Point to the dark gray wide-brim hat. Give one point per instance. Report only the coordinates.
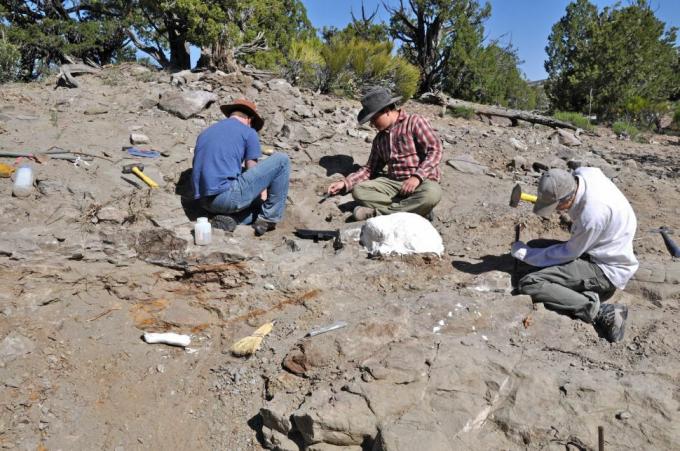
(374, 101)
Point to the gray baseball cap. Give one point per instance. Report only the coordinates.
(554, 186)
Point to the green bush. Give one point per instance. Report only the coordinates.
(461, 111)
(575, 119)
(406, 78)
(643, 112)
(347, 67)
(305, 63)
(676, 117)
(624, 128)
(9, 60)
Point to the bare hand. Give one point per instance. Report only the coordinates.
(409, 186)
(336, 187)
(263, 195)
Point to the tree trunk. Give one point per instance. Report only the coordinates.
(179, 52)
(487, 110)
(205, 61)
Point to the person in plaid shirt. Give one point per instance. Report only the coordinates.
(412, 152)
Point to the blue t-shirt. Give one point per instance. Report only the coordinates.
(220, 152)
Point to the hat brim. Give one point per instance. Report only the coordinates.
(257, 121)
(545, 209)
(366, 115)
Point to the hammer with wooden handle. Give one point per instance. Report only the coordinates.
(137, 169)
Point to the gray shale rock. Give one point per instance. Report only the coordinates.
(339, 419)
(112, 214)
(275, 440)
(567, 138)
(274, 415)
(186, 104)
(138, 138)
(467, 165)
(329, 447)
(518, 145)
(14, 346)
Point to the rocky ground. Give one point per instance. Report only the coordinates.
(437, 353)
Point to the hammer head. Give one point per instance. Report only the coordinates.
(127, 169)
(662, 229)
(515, 196)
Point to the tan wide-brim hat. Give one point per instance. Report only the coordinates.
(245, 106)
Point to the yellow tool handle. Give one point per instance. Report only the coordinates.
(528, 198)
(144, 178)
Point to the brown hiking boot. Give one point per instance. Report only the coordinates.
(363, 213)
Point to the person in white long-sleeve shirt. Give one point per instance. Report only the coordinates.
(597, 259)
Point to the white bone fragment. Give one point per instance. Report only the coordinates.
(168, 338)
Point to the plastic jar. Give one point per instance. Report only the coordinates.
(202, 232)
(23, 181)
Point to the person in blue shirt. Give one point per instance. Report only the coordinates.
(227, 178)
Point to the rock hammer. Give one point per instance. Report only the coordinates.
(518, 195)
(137, 169)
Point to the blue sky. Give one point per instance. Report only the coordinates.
(524, 23)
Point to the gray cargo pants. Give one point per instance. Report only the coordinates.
(573, 289)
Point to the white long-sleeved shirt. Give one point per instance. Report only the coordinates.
(604, 225)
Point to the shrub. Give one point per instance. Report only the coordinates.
(461, 111)
(621, 128)
(643, 112)
(575, 119)
(347, 67)
(406, 78)
(305, 63)
(676, 117)
(9, 60)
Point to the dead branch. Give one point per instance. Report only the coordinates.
(155, 52)
(487, 110)
(258, 44)
(67, 72)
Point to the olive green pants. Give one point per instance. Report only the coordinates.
(575, 288)
(382, 194)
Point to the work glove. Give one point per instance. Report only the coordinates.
(519, 250)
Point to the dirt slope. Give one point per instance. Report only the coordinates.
(437, 353)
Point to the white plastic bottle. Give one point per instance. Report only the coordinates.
(23, 181)
(202, 232)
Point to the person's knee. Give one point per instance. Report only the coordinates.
(281, 159)
(530, 284)
(431, 194)
(361, 192)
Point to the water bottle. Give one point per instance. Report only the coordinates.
(202, 232)
(23, 181)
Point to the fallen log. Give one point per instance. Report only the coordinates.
(487, 110)
(67, 72)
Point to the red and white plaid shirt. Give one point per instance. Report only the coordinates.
(409, 147)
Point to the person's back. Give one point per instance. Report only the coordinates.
(220, 152)
(604, 206)
(228, 179)
(576, 277)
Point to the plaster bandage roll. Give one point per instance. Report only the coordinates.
(168, 338)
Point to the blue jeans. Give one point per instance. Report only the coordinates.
(242, 199)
